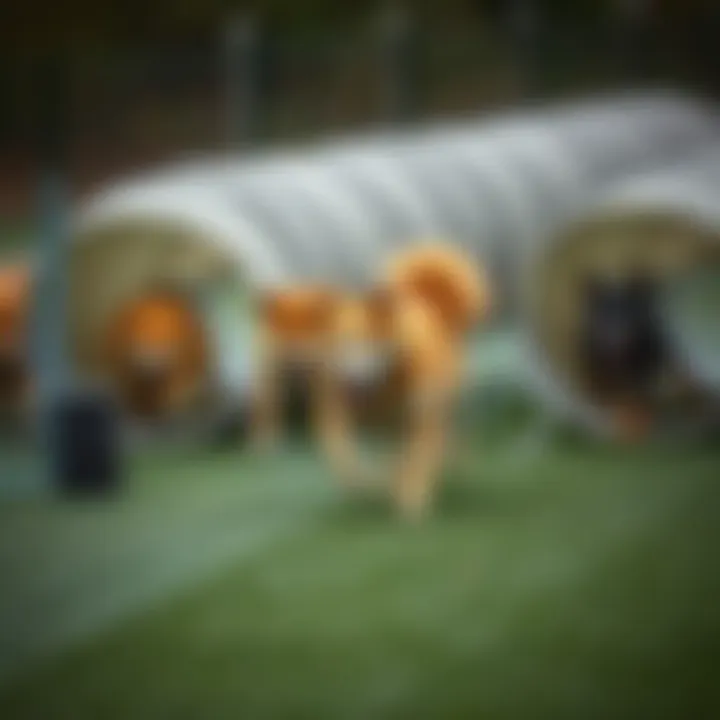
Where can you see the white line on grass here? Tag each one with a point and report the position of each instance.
(143, 561)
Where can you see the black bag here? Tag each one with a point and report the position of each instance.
(84, 433)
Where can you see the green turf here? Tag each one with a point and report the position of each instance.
(554, 582)
(15, 236)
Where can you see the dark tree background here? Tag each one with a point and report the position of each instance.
(146, 78)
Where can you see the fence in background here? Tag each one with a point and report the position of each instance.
(136, 107)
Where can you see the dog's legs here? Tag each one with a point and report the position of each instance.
(181, 395)
(266, 420)
(334, 427)
(421, 461)
(632, 421)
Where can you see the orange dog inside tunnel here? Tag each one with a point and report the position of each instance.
(157, 355)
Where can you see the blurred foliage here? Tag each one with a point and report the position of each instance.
(148, 82)
(89, 31)
(78, 23)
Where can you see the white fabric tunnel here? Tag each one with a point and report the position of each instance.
(497, 186)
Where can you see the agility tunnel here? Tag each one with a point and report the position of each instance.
(223, 229)
(658, 236)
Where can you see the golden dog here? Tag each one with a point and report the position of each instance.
(412, 324)
(401, 342)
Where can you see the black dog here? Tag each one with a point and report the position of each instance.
(623, 346)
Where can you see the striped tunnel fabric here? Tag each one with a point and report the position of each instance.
(499, 186)
(665, 222)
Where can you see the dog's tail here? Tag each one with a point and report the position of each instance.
(455, 285)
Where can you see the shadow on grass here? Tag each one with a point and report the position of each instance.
(457, 499)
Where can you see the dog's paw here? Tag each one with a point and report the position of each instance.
(350, 477)
(413, 507)
(632, 425)
(414, 513)
(264, 442)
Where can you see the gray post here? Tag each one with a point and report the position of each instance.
(241, 80)
(78, 426)
(524, 25)
(50, 349)
(400, 46)
(48, 336)
(632, 46)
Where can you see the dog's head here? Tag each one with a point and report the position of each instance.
(299, 320)
(624, 342)
(157, 352)
(629, 303)
(315, 323)
(366, 332)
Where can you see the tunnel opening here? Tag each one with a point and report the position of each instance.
(613, 317)
(161, 316)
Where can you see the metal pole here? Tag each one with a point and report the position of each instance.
(632, 40)
(78, 426)
(401, 62)
(53, 199)
(523, 21)
(241, 73)
(49, 351)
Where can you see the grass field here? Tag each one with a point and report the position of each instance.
(15, 236)
(556, 580)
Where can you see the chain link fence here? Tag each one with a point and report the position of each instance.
(133, 108)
